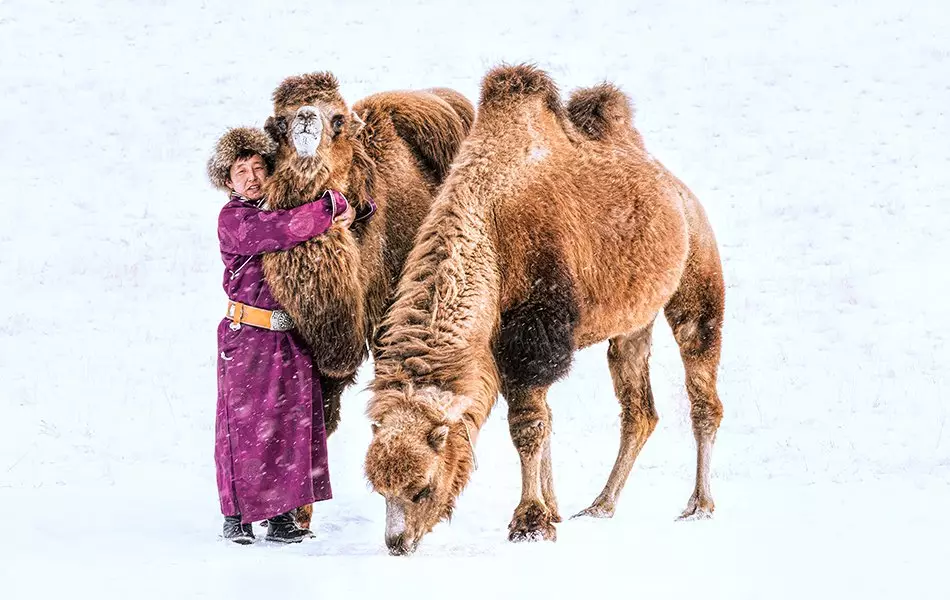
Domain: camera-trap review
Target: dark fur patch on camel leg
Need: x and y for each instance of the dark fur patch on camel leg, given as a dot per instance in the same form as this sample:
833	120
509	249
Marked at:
535	346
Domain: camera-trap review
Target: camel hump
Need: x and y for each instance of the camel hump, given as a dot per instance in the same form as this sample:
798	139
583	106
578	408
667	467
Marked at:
601	111
459	103
429	125
510	84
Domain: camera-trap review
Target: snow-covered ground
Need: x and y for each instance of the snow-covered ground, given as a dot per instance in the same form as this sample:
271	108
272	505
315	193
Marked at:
817	136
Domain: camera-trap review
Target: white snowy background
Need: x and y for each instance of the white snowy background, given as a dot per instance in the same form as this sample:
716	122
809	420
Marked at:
815	133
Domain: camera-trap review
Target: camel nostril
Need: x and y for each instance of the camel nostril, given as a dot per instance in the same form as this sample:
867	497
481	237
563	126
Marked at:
397	545
395	540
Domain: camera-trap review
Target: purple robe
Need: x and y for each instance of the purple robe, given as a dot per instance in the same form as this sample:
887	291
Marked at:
270	440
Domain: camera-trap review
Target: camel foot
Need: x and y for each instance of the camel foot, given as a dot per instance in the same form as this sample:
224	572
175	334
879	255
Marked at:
555	514
600	509
532	523
699	508
303	516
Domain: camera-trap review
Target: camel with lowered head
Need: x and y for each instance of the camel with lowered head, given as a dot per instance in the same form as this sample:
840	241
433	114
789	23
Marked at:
393	148
555	230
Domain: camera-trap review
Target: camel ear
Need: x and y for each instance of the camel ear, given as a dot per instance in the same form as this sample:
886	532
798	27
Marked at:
455	410
356	123
275	127
438	437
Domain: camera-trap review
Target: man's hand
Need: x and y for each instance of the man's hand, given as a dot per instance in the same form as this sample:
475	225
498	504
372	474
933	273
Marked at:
346	217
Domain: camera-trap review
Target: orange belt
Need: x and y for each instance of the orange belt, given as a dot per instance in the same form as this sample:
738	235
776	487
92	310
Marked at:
275	320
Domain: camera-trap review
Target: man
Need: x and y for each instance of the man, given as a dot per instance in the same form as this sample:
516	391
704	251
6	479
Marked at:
270	439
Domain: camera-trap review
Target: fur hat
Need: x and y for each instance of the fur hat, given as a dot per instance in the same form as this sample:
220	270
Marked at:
234	142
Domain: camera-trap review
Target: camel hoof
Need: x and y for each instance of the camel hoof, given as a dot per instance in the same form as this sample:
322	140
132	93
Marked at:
698	509
532	524
598	510
699	515
303	516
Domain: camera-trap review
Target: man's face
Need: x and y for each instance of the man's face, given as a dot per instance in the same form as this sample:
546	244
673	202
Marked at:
247	177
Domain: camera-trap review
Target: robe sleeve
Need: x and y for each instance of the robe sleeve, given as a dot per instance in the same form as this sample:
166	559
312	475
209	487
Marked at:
247	230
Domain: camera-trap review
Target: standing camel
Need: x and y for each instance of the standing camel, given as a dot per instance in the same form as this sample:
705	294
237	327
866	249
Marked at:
387	156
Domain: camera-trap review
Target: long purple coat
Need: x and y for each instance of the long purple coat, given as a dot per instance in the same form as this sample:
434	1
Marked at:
270	440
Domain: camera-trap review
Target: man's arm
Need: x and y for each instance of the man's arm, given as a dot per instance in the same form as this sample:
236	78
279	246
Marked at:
247	230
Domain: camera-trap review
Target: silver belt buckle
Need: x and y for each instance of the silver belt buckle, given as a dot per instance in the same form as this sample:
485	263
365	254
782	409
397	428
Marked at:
230	315
280	320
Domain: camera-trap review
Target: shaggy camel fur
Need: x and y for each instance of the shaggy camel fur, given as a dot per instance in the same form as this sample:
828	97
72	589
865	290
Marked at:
394	148
555	230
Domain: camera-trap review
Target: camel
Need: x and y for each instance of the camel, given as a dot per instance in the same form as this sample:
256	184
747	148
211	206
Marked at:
555	230
392	148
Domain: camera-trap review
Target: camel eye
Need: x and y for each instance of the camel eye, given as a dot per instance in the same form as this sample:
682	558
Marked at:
337	124
422	495
282	124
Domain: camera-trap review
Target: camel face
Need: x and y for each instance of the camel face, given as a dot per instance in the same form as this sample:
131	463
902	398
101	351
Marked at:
315	140
414	463
406	470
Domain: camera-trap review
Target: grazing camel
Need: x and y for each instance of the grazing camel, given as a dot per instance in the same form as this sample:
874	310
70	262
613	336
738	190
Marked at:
555	230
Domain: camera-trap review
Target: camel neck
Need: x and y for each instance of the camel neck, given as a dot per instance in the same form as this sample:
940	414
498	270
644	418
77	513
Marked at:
440	327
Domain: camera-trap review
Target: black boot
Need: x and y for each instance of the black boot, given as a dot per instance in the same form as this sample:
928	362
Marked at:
282	528
237	533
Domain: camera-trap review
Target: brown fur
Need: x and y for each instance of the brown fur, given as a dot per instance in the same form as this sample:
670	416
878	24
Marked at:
555	230
337	285
309	88
602	112
459	103
430	126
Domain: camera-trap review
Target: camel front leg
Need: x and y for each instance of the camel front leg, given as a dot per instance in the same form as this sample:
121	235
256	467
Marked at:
547	481
529	423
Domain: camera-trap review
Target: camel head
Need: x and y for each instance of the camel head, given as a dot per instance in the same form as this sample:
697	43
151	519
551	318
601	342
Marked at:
419	460
315	133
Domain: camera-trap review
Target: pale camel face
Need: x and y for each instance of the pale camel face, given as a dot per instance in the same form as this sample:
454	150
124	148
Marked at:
412	462
317	138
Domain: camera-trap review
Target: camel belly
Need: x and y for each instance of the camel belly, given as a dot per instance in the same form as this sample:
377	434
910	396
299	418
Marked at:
631	276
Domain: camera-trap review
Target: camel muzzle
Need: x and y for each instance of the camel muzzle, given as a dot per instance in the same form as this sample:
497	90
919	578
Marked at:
397	539
306	130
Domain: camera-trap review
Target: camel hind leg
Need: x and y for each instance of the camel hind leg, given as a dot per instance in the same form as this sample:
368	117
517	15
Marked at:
695	314
628	358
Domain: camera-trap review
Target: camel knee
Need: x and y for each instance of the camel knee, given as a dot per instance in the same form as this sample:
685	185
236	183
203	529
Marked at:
697	337
705	406
696	324
641	419
528	434
706	416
